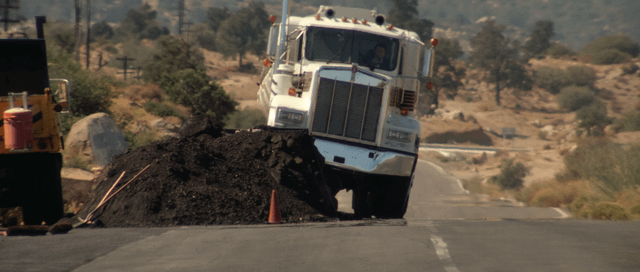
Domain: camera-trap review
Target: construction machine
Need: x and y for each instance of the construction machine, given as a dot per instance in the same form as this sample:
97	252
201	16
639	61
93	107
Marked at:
30	138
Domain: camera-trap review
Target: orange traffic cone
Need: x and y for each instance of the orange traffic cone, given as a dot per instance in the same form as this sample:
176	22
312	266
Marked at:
274	211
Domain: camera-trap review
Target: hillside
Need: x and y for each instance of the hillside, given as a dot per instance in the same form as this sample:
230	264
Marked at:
576	22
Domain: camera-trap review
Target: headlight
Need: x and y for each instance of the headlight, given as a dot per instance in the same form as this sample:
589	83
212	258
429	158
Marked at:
290	116
399	135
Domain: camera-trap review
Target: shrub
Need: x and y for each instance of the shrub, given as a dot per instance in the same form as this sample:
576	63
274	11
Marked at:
60	35
610	56
609	211
574	97
630	121
558	50
635	210
136	140
67	121
90	91
77	162
247	118
511	175
547	197
609	167
550	79
620	42
630	69
191	88
594	114
580	75
161	109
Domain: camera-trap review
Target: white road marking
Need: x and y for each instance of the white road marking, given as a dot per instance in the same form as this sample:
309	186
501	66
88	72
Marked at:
444	173
563	214
443	254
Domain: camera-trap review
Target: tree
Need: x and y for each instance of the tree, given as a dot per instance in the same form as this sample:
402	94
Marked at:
403	14
172	55
499	56
245	31
101	29
191	88
540	39
178	68
447	77
215	17
141	23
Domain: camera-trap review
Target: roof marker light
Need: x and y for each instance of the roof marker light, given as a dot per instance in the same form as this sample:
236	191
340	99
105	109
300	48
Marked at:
273	19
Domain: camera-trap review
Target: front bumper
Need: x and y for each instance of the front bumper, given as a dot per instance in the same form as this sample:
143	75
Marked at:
365	160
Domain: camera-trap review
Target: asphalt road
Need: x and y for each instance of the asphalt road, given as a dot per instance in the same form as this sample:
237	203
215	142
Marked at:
446	229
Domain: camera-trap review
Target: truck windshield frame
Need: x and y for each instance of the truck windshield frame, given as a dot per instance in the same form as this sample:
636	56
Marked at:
351	46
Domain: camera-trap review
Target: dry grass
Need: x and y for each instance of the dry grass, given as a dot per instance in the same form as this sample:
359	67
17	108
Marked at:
582	200
137	93
486	106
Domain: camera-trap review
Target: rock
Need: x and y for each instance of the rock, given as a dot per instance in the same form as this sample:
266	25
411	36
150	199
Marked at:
610	130
549	131
169	134
161	124
97	137
536	123
139	127
439	112
479	159
572	136
453	115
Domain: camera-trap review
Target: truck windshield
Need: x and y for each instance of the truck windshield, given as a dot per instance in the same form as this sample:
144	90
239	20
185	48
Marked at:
349	46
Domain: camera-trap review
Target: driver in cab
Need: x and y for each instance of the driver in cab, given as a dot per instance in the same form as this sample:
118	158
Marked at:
376	57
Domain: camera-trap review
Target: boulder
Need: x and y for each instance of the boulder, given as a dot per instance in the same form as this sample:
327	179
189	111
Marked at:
97	138
610	130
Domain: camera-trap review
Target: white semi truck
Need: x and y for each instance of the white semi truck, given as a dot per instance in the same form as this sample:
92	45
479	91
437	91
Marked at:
351	80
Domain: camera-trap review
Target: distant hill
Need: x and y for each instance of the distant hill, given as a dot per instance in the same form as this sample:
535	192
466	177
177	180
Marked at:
576	22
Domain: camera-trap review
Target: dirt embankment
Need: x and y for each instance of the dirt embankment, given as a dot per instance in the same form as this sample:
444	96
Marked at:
209	177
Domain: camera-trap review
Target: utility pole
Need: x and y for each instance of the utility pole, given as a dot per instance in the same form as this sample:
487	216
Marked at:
180	16
76	29
7	6
88	33
125	66
188	24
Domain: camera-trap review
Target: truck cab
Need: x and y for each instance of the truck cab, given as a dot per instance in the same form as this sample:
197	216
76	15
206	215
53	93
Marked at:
351	80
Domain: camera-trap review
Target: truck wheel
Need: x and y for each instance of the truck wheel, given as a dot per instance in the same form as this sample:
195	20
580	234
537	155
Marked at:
361	202
396	197
45	203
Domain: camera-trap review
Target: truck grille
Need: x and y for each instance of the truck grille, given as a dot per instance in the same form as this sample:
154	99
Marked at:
347	109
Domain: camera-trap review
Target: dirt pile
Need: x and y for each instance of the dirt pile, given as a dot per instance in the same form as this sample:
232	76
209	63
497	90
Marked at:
211	177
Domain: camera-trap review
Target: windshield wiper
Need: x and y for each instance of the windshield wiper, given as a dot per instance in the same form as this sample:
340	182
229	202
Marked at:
337	54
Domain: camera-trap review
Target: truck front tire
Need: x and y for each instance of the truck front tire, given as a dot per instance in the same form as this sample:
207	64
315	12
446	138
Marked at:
382	196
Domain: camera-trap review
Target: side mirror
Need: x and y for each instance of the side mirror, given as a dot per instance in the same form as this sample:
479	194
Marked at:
273	39
61	94
427	68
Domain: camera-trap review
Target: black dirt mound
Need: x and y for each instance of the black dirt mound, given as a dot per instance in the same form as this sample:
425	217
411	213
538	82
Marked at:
200	179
